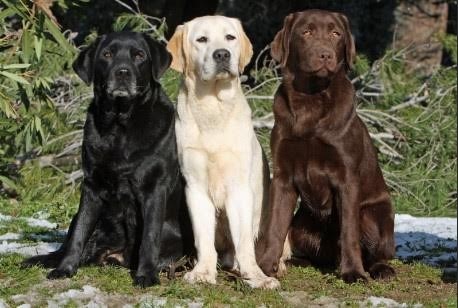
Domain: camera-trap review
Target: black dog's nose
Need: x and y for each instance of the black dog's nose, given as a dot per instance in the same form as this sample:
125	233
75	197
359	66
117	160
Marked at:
326	55
122	73
221	55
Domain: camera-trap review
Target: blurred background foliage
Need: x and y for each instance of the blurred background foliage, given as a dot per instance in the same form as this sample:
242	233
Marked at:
409	107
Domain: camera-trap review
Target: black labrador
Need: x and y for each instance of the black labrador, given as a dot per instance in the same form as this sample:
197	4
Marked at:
132	210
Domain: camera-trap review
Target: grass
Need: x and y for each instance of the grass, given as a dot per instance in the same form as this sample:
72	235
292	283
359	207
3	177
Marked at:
302	286
415	283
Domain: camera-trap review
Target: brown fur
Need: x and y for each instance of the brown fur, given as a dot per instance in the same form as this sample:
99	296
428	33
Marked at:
322	153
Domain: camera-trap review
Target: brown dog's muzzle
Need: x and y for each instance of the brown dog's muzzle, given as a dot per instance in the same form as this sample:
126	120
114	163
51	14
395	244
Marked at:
319	61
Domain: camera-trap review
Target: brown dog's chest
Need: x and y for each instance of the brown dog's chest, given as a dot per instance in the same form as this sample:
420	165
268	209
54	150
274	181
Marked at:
311	164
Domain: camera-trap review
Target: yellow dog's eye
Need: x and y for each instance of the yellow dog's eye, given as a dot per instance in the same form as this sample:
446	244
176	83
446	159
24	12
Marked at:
230	37
202	39
139	55
307	32
335	34
107	54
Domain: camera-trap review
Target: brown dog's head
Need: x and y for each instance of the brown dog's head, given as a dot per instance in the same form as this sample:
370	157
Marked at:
315	43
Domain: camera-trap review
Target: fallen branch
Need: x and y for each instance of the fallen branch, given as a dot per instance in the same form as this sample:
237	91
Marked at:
54	160
414	99
266	97
74	176
266	121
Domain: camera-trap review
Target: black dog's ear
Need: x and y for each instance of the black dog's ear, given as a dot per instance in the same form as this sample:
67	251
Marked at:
160	57
279	48
84	63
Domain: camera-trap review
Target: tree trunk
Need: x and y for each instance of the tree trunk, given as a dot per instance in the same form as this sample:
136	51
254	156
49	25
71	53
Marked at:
418	28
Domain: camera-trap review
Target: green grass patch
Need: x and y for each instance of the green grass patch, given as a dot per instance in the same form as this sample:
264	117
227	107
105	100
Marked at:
414	283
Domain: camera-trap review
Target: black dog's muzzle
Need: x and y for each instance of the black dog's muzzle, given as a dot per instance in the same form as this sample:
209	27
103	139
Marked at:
122	83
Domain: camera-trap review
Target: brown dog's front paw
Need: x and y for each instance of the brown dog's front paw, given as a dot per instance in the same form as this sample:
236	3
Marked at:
381	271
269	268
354	276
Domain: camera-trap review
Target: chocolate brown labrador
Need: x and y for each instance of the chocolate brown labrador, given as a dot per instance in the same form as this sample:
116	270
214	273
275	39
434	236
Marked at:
323	154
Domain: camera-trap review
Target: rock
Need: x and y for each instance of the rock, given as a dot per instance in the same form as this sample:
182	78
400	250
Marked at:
295	298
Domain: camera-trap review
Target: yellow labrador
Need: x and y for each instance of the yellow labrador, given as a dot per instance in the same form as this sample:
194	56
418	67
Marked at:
220	156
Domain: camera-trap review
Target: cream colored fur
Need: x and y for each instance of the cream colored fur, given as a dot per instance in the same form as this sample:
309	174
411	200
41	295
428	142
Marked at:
220	157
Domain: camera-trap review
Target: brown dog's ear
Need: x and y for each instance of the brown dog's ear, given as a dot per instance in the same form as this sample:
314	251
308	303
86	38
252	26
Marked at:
246	49
350	49
279	48
175	47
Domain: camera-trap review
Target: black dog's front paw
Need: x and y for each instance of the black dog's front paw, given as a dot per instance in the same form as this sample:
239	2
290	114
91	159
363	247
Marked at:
146	280
354	276
61	273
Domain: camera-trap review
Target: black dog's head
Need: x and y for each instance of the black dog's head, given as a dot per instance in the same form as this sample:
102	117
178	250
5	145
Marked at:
122	65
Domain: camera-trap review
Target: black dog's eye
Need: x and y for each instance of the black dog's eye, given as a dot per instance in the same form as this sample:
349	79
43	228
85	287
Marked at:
202	39
335	34
107	54
139	55
230	37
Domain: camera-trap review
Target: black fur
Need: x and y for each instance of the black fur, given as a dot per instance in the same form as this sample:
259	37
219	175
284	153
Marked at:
132	210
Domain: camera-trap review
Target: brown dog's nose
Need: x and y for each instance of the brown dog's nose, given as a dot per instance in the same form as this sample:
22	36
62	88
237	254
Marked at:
221	55
325	55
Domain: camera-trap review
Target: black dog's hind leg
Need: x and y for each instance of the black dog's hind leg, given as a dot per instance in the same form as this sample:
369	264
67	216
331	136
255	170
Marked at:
153	214
83	226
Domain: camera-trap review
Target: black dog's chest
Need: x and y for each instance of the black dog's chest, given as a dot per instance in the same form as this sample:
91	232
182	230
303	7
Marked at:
113	160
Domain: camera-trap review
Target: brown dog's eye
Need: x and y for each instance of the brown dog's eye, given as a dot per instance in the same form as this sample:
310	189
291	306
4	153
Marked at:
107	54
230	37
335	34
139	55
307	32
202	39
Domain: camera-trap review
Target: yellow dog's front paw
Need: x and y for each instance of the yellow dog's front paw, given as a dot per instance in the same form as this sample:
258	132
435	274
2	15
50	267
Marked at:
264	283
196	276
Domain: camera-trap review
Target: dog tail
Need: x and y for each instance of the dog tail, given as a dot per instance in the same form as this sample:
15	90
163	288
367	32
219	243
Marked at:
265	192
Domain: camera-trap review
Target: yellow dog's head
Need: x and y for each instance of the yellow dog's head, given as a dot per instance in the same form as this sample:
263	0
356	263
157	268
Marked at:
210	48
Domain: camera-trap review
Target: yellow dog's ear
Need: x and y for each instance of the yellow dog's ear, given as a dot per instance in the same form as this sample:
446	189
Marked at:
246	49
175	47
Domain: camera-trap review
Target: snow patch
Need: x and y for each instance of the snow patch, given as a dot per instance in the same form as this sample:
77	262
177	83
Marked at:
28	249
93	296
431	240
10	236
374	301
33	222
443	227
3	304
152	301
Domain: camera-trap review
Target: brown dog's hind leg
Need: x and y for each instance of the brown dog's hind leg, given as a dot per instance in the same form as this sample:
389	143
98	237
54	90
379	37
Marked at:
313	240
377	238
